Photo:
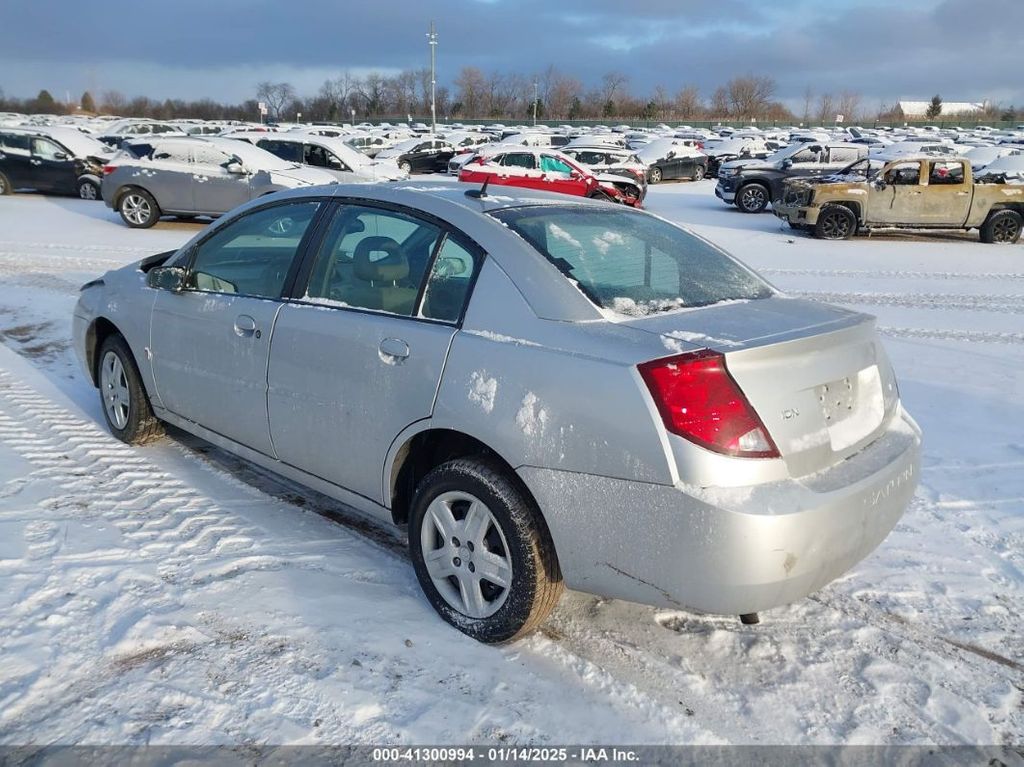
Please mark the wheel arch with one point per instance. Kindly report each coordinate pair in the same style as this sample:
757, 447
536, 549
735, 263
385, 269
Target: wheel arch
413, 456
99, 330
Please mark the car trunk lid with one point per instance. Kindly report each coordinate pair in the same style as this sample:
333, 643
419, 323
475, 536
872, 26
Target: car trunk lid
816, 375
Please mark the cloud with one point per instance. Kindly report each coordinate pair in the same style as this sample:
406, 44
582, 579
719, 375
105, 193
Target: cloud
959, 48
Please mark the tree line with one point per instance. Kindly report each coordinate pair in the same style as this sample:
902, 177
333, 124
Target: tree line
474, 94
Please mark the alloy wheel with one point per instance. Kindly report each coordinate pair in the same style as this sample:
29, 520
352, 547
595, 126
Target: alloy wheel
466, 554
136, 208
1005, 230
114, 387
835, 226
753, 197
87, 191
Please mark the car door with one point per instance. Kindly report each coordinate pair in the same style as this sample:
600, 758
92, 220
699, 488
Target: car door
52, 168
358, 355
559, 176
442, 153
215, 189
947, 198
899, 199
518, 169
168, 176
210, 342
15, 154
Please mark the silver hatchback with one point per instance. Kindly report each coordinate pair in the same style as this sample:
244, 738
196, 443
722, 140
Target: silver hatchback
545, 391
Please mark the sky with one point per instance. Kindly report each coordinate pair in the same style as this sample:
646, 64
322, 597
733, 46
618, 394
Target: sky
965, 50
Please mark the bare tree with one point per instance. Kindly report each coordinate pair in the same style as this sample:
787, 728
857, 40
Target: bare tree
849, 105
687, 102
612, 84
808, 102
720, 102
826, 109
276, 96
113, 102
750, 95
471, 87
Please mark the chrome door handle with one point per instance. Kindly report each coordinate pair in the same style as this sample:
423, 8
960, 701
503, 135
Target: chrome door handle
915, 192
961, 194
36, 162
201, 179
245, 326
393, 348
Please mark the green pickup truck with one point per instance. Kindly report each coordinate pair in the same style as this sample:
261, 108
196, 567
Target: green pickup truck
907, 193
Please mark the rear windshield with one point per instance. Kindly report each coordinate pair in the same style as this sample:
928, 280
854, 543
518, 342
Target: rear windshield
632, 263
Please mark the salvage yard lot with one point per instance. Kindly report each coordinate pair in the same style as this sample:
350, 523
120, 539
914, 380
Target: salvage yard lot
170, 594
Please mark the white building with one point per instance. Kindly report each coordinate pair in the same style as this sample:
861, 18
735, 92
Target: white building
949, 108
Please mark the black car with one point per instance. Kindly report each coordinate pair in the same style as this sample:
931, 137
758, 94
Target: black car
58, 160
665, 159
420, 155
605, 159
752, 184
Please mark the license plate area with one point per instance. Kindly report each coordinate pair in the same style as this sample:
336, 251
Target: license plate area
852, 407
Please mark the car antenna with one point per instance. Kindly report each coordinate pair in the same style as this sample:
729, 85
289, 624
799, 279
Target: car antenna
481, 192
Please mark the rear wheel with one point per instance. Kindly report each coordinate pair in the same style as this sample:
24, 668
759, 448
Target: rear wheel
138, 209
125, 404
88, 189
698, 173
835, 222
655, 176
1002, 227
5, 185
482, 554
753, 198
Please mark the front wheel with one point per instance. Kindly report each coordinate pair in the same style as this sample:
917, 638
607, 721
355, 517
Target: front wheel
125, 404
482, 554
1002, 227
5, 185
405, 166
753, 198
138, 209
835, 222
655, 176
88, 189
698, 173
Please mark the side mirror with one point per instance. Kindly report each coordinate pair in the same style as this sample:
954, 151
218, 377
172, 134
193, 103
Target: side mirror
170, 278
787, 163
235, 167
575, 175
878, 184
60, 156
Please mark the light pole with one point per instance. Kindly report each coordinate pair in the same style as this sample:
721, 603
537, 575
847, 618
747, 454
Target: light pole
432, 37
535, 99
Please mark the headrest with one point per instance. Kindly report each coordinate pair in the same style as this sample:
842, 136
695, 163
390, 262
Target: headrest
388, 264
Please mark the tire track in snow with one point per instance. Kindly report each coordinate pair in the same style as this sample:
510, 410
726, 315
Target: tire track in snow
893, 274
973, 336
1006, 304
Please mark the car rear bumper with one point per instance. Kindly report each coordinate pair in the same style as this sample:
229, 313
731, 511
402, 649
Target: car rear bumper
731, 551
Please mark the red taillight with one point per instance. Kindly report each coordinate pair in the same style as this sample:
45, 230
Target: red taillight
108, 169
700, 401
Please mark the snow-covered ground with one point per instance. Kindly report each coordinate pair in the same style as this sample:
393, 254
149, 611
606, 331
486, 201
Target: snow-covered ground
172, 594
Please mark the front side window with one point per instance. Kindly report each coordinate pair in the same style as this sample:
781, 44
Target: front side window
315, 155
549, 164
171, 153
45, 149
209, 156
904, 174
632, 263
844, 155
373, 259
252, 255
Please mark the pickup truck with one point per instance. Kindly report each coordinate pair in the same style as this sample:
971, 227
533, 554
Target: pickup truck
751, 185
907, 193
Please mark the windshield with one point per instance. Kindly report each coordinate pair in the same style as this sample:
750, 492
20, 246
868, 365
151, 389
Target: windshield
632, 263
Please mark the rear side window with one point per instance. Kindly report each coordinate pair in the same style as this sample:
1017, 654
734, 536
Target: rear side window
286, 150
14, 144
631, 263
519, 160
448, 285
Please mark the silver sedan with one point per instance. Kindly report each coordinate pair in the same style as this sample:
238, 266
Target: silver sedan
547, 392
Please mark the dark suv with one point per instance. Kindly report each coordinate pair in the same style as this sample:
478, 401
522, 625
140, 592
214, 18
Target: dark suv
752, 184
59, 160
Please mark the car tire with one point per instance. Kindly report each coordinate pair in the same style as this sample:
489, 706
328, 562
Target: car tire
123, 396
1002, 227
655, 176
5, 185
88, 189
471, 513
405, 166
138, 209
835, 222
698, 173
753, 198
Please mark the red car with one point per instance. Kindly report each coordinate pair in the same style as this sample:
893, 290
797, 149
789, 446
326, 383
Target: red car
550, 171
